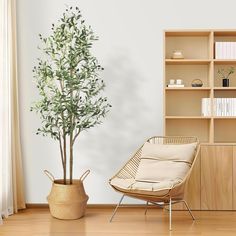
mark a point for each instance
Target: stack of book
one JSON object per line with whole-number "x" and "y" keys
{"x": 206, "y": 107}
{"x": 221, "y": 107}
{"x": 224, "y": 106}
{"x": 225, "y": 50}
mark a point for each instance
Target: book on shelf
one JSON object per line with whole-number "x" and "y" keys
{"x": 224, "y": 106}
{"x": 175, "y": 85}
{"x": 221, "y": 107}
{"x": 206, "y": 107}
{"x": 225, "y": 50}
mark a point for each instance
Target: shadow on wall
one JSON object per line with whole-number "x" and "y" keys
{"x": 131, "y": 120}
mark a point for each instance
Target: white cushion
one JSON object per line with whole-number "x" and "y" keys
{"x": 165, "y": 162}
{"x": 180, "y": 152}
{"x": 151, "y": 170}
{"x": 133, "y": 186}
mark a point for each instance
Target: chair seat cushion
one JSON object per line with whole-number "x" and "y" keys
{"x": 131, "y": 185}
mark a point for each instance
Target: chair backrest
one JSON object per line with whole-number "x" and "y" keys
{"x": 129, "y": 170}
{"x": 172, "y": 139}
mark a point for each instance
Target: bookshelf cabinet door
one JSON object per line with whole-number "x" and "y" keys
{"x": 216, "y": 177}
{"x": 192, "y": 189}
{"x": 234, "y": 178}
{"x": 192, "y": 192}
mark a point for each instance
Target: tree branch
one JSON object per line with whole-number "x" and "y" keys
{"x": 62, "y": 157}
{"x": 76, "y": 135}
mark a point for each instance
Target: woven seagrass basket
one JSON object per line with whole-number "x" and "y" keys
{"x": 67, "y": 202}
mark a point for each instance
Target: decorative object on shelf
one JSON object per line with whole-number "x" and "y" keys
{"x": 179, "y": 82}
{"x": 197, "y": 83}
{"x": 175, "y": 84}
{"x": 224, "y": 74}
{"x": 177, "y": 54}
{"x": 70, "y": 102}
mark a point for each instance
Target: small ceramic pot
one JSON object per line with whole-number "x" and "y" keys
{"x": 225, "y": 82}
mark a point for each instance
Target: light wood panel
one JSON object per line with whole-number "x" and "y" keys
{"x": 127, "y": 222}
{"x": 187, "y": 61}
{"x": 192, "y": 190}
{"x": 188, "y": 73}
{"x": 190, "y": 88}
{"x": 225, "y": 88}
{"x": 223, "y": 33}
{"x": 192, "y": 47}
{"x": 184, "y": 103}
{"x": 189, "y": 117}
{"x": 216, "y": 177}
{"x": 225, "y": 93}
{"x": 211, "y": 45}
{"x": 189, "y": 127}
{"x": 224, "y": 130}
{"x": 181, "y": 33}
{"x": 224, "y": 61}
{"x": 234, "y": 178}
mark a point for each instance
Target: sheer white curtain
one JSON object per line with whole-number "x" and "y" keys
{"x": 11, "y": 183}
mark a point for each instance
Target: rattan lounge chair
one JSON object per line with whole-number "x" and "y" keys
{"x": 125, "y": 178}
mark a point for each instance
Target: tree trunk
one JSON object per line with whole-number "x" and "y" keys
{"x": 71, "y": 158}
{"x": 65, "y": 159}
{"x": 62, "y": 158}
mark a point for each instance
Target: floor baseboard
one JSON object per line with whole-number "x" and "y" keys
{"x": 92, "y": 206}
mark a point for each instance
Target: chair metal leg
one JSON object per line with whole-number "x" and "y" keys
{"x": 114, "y": 212}
{"x": 190, "y": 212}
{"x": 170, "y": 215}
{"x": 146, "y": 208}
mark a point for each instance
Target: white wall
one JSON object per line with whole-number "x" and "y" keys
{"x": 131, "y": 49}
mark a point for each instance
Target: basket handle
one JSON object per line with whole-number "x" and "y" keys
{"x": 84, "y": 175}
{"x": 49, "y": 175}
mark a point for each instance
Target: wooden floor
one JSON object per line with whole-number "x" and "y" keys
{"x": 130, "y": 222}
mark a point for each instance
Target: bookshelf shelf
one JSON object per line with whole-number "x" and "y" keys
{"x": 187, "y": 33}
{"x": 224, "y": 117}
{"x": 189, "y": 117}
{"x": 187, "y": 61}
{"x": 189, "y": 88}
{"x": 224, "y": 61}
{"x": 224, "y": 88}
{"x": 224, "y": 33}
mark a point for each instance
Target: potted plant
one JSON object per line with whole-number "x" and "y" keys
{"x": 224, "y": 74}
{"x": 67, "y": 77}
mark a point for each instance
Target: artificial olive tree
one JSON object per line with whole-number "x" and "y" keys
{"x": 67, "y": 77}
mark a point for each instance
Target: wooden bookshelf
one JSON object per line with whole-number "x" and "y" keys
{"x": 198, "y": 63}
{"x": 182, "y": 112}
